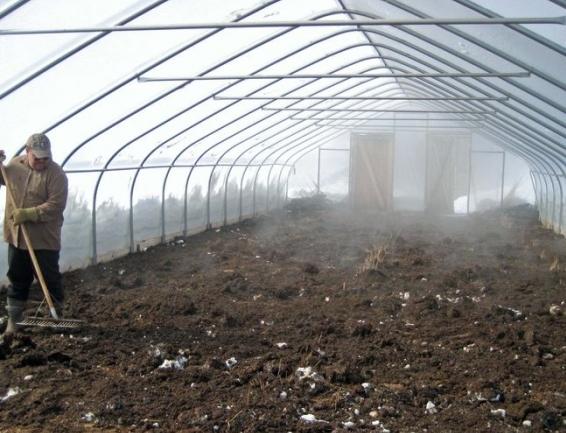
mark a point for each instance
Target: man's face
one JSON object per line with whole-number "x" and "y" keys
{"x": 35, "y": 163}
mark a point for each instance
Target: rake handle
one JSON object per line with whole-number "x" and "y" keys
{"x": 29, "y": 245}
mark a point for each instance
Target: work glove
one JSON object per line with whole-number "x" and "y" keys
{"x": 23, "y": 215}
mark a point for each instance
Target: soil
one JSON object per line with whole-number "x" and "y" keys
{"x": 310, "y": 319}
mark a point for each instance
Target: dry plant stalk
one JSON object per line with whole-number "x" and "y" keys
{"x": 374, "y": 259}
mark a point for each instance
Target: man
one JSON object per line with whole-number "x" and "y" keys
{"x": 39, "y": 187}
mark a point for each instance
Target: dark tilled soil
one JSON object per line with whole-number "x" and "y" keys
{"x": 309, "y": 320}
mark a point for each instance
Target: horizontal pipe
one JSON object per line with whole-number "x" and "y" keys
{"x": 394, "y": 125}
{"x": 364, "y": 98}
{"x": 397, "y": 127}
{"x": 99, "y": 170}
{"x": 317, "y": 76}
{"x": 487, "y": 151}
{"x": 395, "y": 119}
{"x": 367, "y": 110}
{"x": 267, "y": 24}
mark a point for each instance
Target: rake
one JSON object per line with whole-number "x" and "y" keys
{"x": 49, "y": 322}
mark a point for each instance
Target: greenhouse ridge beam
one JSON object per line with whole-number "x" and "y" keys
{"x": 369, "y": 128}
{"x": 560, "y": 20}
{"x": 308, "y": 76}
{"x": 365, "y": 98}
{"x": 143, "y": 167}
{"x": 396, "y": 119}
{"x": 376, "y": 110}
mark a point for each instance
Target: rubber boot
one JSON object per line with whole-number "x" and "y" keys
{"x": 15, "y": 310}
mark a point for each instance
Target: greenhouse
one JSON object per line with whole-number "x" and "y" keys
{"x": 283, "y": 215}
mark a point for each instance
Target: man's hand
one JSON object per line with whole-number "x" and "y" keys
{"x": 23, "y": 215}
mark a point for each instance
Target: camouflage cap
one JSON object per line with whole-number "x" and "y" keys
{"x": 39, "y": 145}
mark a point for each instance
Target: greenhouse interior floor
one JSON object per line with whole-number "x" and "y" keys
{"x": 309, "y": 319}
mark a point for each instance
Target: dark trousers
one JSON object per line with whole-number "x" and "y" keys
{"x": 21, "y": 273}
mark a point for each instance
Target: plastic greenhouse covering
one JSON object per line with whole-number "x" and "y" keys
{"x": 174, "y": 116}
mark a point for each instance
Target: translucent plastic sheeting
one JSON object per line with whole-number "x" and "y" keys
{"x": 197, "y": 195}
{"x": 486, "y": 180}
{"x": 302, "y": 181}
{"x": 77, "y": 235}
{"x": 547, "y": 204}
{"x": 275, "y": 187}
{"x": 216, "y": 199}
{"x": 518, "y": 187}
{"x": 112, "y": 213}
{"x": 241, "y": 149}
{"x": 247, "y": 192}
{"x": 175, "y": 201}
{"x": 447, "y": 171}
{"x": 259, "y": 186}
{"x": 99, "y": 115}
{"x": 289, "y": 144}
{"x": 334, "y": 172}
{"x": 162, "y": 145}
{"x": 506, "y": 50}
{"x": 147, "y": 201}
{"x": 232, "y": 198}
{"x": 525, "y": 9}
{"x": 212, "y": 145}
{"x": 409, "y": 171}
{"x": 23, "y": 53}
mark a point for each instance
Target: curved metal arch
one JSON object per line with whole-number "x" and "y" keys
{"x": 547, "y": 189}
{"x": 469, "y": 60}
{"x": 550, "y": 166}
{"x": 506, "y": 104}
{"x": 484, "y": 82}
{"x": 559, "y": 148}
{"x": 113, "y": 89}
{"x": 459, "y": 55}
{"x": 308, "y": 141}
{"x": 269, "y": 137}
{"x": 519, "y": 29}
{"x": 345, "y": 11}
{"x": 152, "y": 102}
{"x": 459, "y": 89}
{"x": 479, "y": 43}
{"x": 275, "y": 36}
{"x": 330, "y": 36}
{"x": 533, "y": 158}
{"x": 279, "y": 149}
{"x": 326, "y": 88}
{"x": 532, "y": 139}
{"x": 496, "y": 130}
{"x": 133, "y": 77}
{"x": 41, "y": 70}
{"x": 386, "y": 47}
{"x": 12, "y": 8}
{"x": 379, "y": 54}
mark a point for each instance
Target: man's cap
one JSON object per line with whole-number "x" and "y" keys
{"x": 39, "y": 145}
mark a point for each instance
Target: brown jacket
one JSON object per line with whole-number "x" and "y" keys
{"x": 47, "y": 190}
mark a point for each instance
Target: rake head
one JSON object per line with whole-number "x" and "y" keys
{"x": 49, "y": 322}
